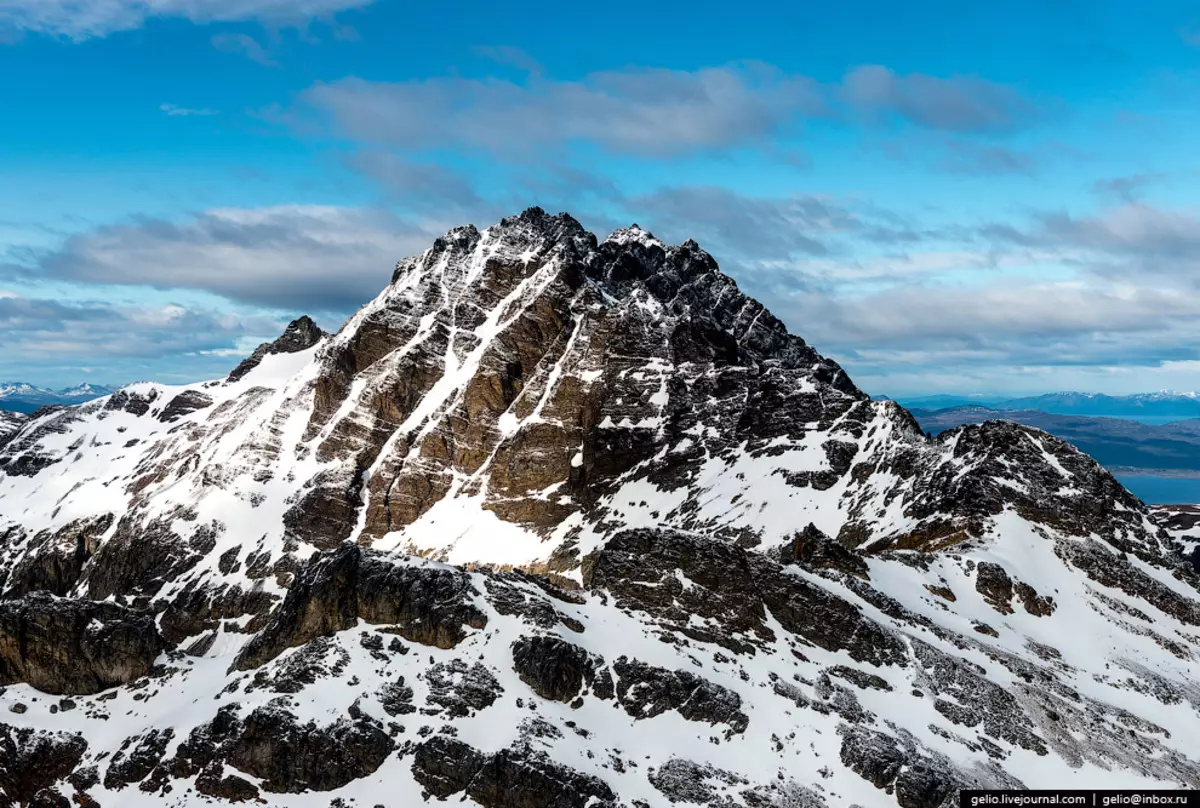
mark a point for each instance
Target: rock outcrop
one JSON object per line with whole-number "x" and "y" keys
{"x": 73, "y": 647}
{"x": 424, "y": 602}
{"x": 300, "y": 335}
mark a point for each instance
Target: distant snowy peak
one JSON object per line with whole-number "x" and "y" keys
{"x": 85, "y": 391}
{"x": 11, "y": 389}
{"x": 24, "y": 397}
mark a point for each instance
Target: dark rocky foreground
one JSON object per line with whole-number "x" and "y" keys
{"x": 692, "y": 565}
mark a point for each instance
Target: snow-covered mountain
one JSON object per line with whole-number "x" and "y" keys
{"x": 556, "y": 521}
{"x": 26, "y": 398}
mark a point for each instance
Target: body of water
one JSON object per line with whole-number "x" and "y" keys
{"x": 1155, "y": 490}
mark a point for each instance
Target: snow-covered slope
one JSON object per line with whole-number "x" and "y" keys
{"x": 743, "y": 582}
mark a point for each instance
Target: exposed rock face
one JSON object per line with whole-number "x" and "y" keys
{"x": 460, "y": 690}
{"x": 812, "y": 549}
{"x": 918, "y": 779}
{"x": 185, "y": 403}
{"x": 271, "y": 745}
{"x": 555, "y": 669}
{"x": 507, "y": 779}
{"x": 427, "y": 603}
{"x": 33, "y": 762}
{"x": 993, "y": 583}
{"x": 645, "y": 691}
{"x": 732, "y": 587}
{"x": 10, "y": 422}
{"x": 74, "y": 647}
{"x": 300, "y": 335}
{"x": 136, "y": 758}
{"x": 53, "y": 560}
{"x": 294, "y": 758}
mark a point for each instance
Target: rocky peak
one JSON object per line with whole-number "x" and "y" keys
{"x": 300, "y": 335}
{"x": 554, "y": 380}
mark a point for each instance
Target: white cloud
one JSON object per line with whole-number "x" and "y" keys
{"x": 83, "y": 19}
{"x": 648, "y": 111}
{"x": 304, "y": 258}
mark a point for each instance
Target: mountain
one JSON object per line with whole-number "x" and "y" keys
{"x": 942, "y": 401}
{"x": 1144, "y": 405}
{"x": 1148, "y": 407}
{"x": 26, "y": 398}
{"x": 1117, "y": 443}
{"x": 556, "y": 521}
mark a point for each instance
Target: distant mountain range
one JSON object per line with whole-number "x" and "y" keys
{"x": 23, "y": 397}
{"x": 1147, "y": 407}
{"x": 1119, "y": 444}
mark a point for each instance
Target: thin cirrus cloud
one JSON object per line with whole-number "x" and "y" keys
{"x": 175, "y": 111}
{"x": 84, "y": 19}
{"x": 649, "y": 112}
{"x": 964, "y": 104}
{"x": 244, "y": 45}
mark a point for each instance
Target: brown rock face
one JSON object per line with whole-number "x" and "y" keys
{"x": 426, "y": 603}
{"x": 993, "y": 583}
{"x": 74, "y": 647}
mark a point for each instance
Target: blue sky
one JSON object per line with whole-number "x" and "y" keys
{"x": 958, "y": 197}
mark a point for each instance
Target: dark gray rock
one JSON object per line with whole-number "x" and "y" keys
{"x": 813, "y": 550}
{"x": 993, "y": 583}
{"x": 645, "y": 691}
{"x": 74, "y": 647}
{"x": 300, "y": 335}
{"x": 136, "y": 758}
{"x": 734, "y": 588}
{"x": 32, "y": 761}
{"x": 554, "y": 668}
{"x": 423, "y": 602}
{"x": 459, "y": 690}
{"x": 291, "y": 757}
{"x": 185, "y": 403}
{"x": 507, "y": 779}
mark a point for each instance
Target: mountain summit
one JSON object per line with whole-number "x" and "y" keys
{"x": 654, "y": 549}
